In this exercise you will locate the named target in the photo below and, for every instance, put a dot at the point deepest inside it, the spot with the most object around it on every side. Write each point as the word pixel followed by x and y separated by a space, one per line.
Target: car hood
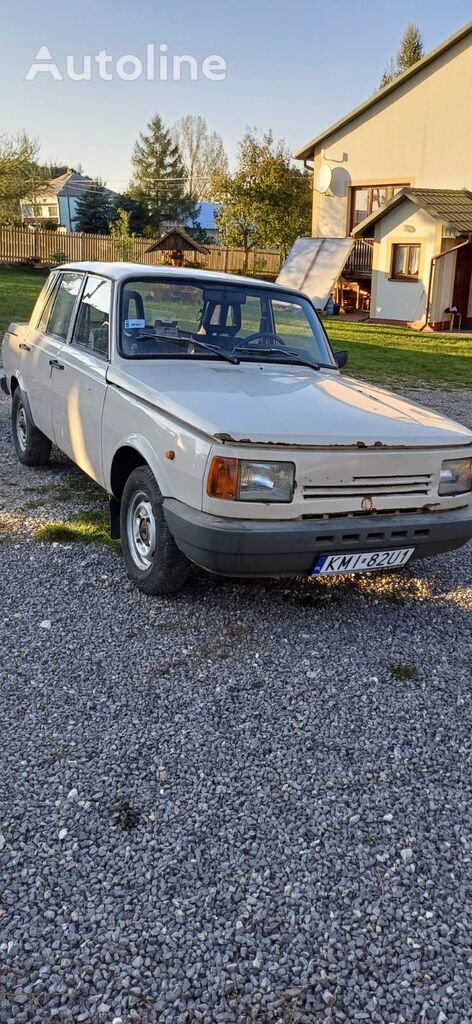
pixel 285 405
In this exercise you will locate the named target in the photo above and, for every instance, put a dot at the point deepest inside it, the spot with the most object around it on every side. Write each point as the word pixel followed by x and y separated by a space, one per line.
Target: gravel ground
pixel 250 802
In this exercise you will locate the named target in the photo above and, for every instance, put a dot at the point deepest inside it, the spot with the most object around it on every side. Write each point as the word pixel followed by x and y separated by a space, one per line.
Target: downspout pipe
pixel 432 268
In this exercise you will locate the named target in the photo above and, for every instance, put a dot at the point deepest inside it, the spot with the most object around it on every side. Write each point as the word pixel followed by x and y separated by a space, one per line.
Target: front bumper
pixel 3 383
pixel 255 547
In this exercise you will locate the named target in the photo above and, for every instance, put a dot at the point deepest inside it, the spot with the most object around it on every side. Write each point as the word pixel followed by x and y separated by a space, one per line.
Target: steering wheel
pixel 261 336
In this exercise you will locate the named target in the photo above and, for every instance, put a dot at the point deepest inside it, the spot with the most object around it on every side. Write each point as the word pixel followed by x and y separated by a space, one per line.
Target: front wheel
pixel 153 560
pixel 33 448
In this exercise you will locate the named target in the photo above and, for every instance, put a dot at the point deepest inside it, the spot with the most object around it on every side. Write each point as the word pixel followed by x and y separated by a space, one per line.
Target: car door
pixel 45 341
pixel 78 389
pixel 17 344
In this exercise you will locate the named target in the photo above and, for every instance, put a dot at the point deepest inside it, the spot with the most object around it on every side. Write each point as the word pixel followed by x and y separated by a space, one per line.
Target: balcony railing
pixel 360 260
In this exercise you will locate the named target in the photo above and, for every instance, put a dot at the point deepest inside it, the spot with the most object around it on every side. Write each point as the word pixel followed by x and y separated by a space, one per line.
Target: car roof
pixel 121 271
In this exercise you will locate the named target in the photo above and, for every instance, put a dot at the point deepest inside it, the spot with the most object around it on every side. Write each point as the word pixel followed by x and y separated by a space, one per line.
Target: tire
pixel 33 448
pixel 152 558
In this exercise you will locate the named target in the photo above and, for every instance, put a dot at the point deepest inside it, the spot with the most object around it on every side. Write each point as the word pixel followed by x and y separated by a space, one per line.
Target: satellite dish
pixel 323 178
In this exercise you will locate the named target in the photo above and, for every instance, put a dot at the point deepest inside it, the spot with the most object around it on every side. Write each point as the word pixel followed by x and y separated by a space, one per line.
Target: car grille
pixel 387 535
pixel 416 485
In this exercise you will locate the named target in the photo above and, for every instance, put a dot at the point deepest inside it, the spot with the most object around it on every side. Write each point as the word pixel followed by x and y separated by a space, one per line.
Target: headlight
pixel 238 480
pixel 455 476
pixel 266 481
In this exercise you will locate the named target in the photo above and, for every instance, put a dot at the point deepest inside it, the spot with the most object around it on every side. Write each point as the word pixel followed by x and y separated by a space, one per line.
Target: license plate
pixel 361 561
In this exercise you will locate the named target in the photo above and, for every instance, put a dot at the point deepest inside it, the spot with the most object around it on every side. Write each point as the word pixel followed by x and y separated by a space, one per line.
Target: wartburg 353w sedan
pixel 212 410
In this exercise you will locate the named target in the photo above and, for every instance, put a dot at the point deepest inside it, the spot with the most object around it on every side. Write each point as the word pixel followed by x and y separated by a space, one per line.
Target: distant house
pixel 414 134
pixel 206 214
pixel 58 201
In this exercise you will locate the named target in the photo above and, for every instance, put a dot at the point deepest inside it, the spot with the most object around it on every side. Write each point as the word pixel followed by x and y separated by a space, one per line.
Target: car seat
pixel 221 321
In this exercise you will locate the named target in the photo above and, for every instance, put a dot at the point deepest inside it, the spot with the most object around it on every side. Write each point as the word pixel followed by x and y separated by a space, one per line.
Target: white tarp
pixel 313 266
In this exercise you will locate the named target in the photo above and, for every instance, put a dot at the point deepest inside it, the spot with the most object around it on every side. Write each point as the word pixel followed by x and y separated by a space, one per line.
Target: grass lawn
pixel 392 355
pixel 91 527
pixel 19 289
pixel 397 354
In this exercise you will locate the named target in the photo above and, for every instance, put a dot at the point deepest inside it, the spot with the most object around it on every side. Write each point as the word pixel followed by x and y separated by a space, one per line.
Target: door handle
pixel 56 363
pixel 27 348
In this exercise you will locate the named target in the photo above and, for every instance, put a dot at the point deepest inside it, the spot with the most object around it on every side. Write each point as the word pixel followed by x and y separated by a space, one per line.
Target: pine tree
pixel 410 51
pixel 159 179
pixel 389 74
pixel 93 210
pixel 138 214
pixel 411 48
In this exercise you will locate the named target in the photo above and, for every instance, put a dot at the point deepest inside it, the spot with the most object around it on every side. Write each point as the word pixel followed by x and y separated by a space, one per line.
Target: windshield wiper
pixel 294 357
pixel 182 340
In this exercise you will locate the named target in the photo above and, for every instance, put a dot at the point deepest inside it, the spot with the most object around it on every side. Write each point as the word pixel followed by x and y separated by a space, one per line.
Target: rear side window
pixel 64 301
pixel 43 302
pixel 93 321
pixel 47 306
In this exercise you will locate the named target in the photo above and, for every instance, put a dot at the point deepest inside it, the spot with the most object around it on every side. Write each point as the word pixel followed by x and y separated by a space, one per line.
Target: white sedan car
pixel 212 410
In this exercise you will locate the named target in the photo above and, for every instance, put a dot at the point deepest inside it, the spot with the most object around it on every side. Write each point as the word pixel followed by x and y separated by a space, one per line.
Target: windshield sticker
pixel 131 325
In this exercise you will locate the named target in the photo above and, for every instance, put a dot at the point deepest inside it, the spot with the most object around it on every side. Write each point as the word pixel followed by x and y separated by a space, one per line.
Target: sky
pixel 293 66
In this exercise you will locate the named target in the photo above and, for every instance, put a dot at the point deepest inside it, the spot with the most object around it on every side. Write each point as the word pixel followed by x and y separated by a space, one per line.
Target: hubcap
pixel 141 530
pixel 21 427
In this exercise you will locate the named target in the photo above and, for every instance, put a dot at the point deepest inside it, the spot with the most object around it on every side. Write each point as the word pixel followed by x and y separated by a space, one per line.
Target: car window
pixel 42 301
pixel 49 296
pixel 291 324
pixel 181 319
pixel 93 321
pixel 64 301
pixel 252 316
pixel 157 302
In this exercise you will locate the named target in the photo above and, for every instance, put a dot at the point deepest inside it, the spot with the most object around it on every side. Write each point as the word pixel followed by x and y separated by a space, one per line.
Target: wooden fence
pixel 49 248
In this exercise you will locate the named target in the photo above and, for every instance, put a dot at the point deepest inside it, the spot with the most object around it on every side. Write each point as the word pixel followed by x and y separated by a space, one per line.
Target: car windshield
pixel 183 319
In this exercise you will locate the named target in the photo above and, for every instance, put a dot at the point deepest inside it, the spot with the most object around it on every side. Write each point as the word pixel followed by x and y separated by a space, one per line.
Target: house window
pixel 368 199
pixel 405 262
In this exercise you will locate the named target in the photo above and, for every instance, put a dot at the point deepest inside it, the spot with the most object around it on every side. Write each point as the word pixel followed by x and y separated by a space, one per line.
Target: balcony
pixel 359 264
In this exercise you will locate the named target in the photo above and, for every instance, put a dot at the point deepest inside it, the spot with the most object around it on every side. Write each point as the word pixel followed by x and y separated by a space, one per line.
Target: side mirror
pixel 341 359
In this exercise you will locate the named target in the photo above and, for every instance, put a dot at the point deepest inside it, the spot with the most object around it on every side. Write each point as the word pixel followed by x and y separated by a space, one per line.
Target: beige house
pixel 422 259
pixel 416 132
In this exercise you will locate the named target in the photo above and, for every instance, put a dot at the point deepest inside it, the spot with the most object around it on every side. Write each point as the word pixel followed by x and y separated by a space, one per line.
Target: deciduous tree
pixel 203 155
pixel 267 201
pixel 21 176
pixel 121 235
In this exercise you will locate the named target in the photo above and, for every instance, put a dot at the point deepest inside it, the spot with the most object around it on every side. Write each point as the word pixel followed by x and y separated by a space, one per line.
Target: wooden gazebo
pixel 177 241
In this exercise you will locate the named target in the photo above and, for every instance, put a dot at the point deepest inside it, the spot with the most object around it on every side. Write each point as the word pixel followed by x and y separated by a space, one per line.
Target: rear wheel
pixel 153 560
pixel 33 448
